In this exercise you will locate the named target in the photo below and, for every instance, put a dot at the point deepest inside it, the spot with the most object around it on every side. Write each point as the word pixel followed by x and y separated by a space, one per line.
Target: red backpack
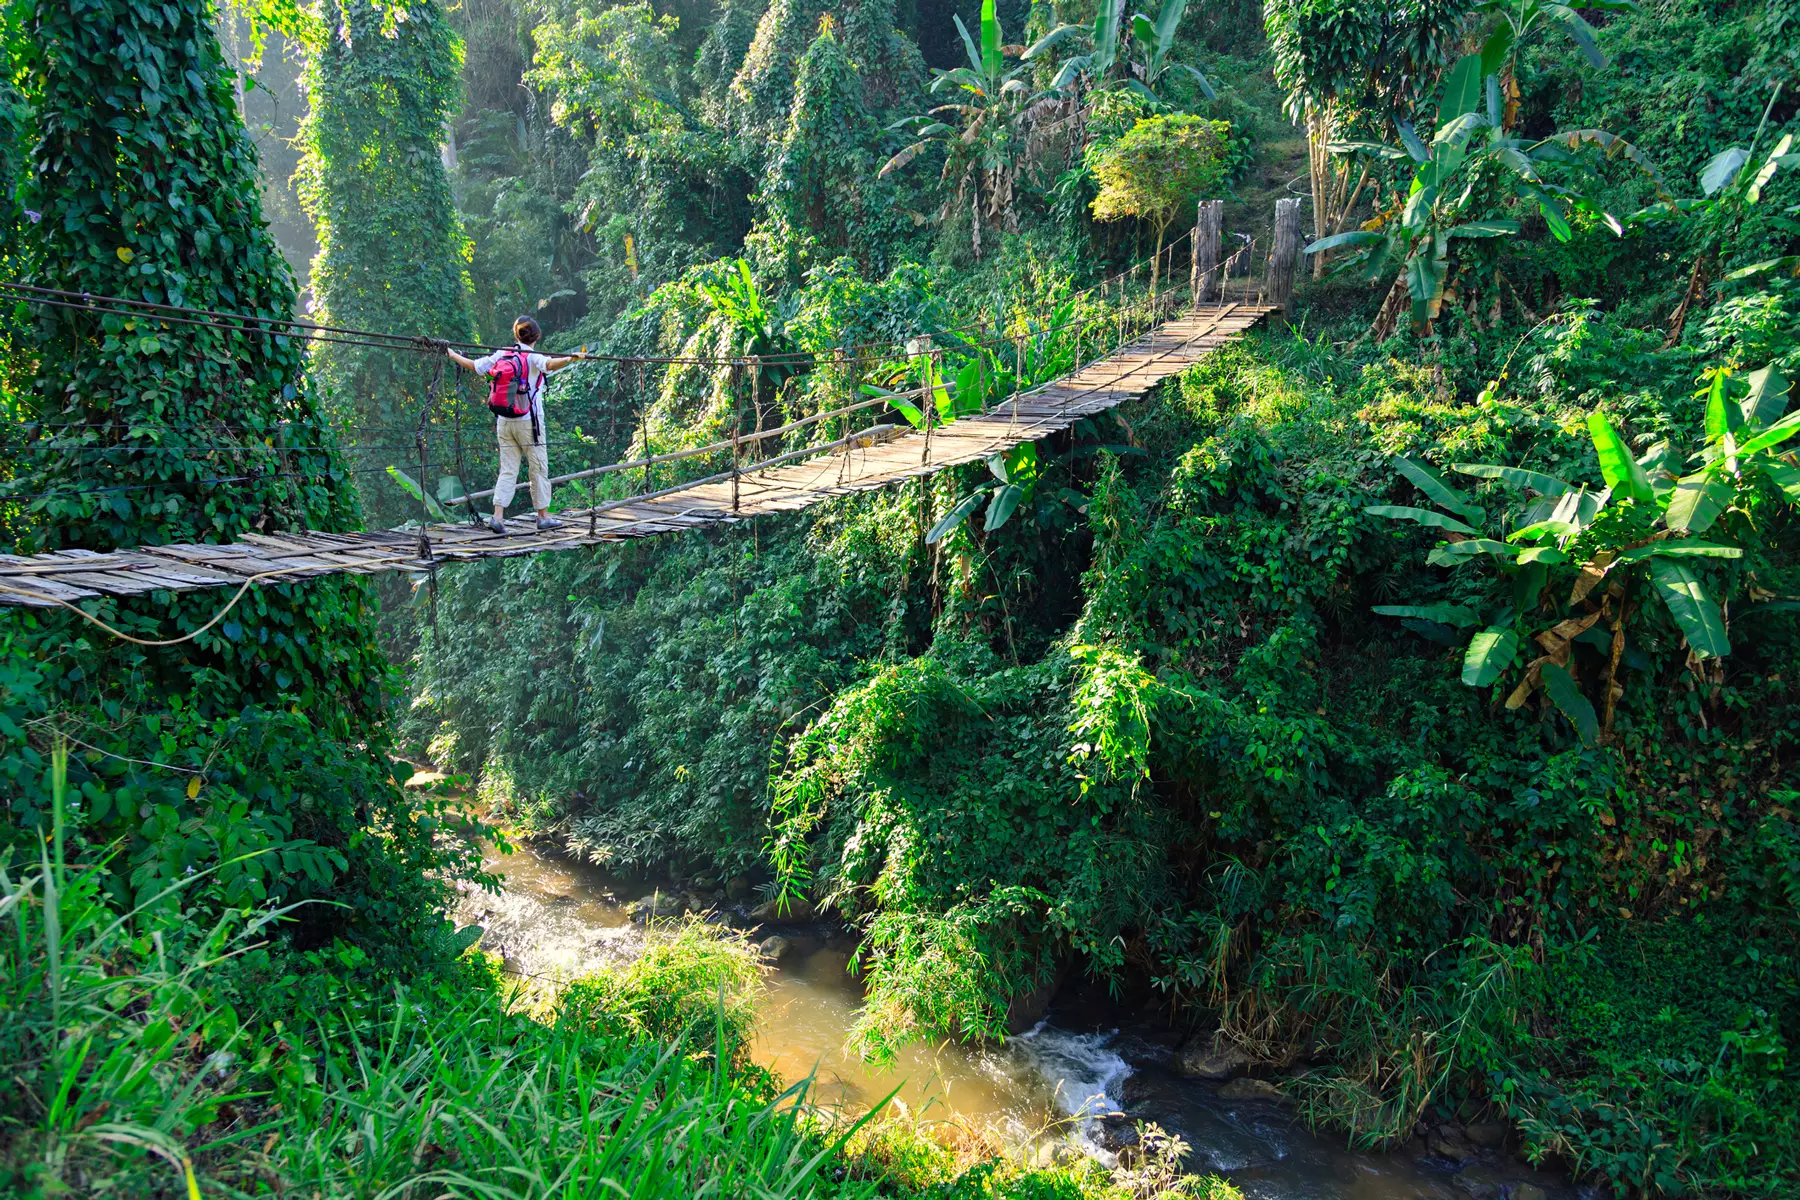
pixel 510 393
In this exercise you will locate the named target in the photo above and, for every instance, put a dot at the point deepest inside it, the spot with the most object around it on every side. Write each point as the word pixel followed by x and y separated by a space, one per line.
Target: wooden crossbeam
pixel 69 576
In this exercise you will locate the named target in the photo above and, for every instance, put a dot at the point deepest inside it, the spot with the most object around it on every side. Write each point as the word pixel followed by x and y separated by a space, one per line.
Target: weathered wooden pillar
pixel 1284 258
pixel 1208 229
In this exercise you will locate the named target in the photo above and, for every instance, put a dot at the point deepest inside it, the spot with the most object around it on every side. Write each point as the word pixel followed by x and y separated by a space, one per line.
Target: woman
pixel 522 436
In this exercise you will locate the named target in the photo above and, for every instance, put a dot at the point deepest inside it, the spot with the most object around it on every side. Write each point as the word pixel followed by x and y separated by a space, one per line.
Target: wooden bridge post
pixel 1208 230
pixel 1284 257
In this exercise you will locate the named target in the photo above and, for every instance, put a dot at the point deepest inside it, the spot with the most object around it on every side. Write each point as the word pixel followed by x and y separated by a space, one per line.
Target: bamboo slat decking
pixel 71 575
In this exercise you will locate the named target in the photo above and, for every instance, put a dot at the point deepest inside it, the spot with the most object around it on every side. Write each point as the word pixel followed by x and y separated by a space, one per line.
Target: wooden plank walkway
pixel 70 575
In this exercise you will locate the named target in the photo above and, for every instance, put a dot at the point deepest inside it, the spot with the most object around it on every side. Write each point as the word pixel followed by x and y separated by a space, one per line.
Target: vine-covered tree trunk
pixel 391 249
pixel 150 431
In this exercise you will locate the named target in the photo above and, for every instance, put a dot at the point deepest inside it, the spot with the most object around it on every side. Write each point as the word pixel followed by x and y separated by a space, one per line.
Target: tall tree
pixel 150 431
pixel 382 83
pixel 763 90
pixel 820 182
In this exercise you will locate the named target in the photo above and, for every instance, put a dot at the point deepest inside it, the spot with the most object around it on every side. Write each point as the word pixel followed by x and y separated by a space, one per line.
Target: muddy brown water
pixel 1054 1090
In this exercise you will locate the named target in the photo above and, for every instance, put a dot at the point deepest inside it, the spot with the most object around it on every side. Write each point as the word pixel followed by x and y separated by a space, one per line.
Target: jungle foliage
pixel 1189 709
pixel 1410 703
pixel 265 734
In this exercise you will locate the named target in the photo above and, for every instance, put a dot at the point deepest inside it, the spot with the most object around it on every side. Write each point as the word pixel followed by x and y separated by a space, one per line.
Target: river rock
pixel 796 908
pixel 1490 1135
pixel 1446 1142
pixel 1251 1089
pixel 774 949
pixel 1527 1191
pixel 737 887
pixel 657 904
pixel 1200 1059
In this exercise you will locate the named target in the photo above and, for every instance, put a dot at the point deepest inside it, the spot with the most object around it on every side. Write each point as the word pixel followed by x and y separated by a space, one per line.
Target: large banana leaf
pixel 1423 516
pixel 1697 502
pixel 1441 493
pixel 1462 89
pixel 1000 509
pixel 1442 614
pixel 991 40
pixel 1693 610
pixel 1537 481
pixel 1622 472
pixel 955 516
pixel 1767 399
pixel 1561 688
pixel 1490 652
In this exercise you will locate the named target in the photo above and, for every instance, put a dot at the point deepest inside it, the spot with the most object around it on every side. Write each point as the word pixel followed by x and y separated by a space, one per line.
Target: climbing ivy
pixel 392 255
pixel 821 182
pixel 149 431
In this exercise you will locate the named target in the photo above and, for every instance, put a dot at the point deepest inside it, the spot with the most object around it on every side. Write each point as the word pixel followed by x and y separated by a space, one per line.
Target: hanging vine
pixel 392 254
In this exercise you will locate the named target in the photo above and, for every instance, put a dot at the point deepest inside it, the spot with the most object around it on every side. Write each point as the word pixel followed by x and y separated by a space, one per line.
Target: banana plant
pixel 752 326
pixel 1449 199
pixel 1643 526
pixel 1016 474
pixel 1109 45
pixel 981 147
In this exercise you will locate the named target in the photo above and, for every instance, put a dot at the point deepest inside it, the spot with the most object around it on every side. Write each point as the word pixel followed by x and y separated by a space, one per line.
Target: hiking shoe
pixel 497 525
pixel 547 523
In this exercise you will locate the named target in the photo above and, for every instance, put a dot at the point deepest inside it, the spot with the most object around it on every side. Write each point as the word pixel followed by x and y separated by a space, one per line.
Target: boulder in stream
pixel 774 949
pixel 797 908
pixel 1246 1088
pixel 1205 1058
pixel 658 905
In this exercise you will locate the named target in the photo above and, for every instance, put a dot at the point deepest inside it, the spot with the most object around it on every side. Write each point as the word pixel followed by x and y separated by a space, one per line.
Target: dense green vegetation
pixel 1405 692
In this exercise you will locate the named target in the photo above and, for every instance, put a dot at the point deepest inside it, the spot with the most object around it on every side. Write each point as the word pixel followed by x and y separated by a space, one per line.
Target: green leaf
pixel 1721 417
pixel 1622 472
pixel 1722 168
pixel 1768 397
pixel 1462 89
pixel 1494 51
pixel 1457 553
pixel 412 488
pixel 1697 502
pixel 991 40
pixel 1693 610
pixel 1411 141
pixel 1767 171
pixel 1355 237
pixel 1441 493
pixel 1490 652
pixel 1423 516
pixel 1580 31
pixel 1537 481
pixel 1785 477
pixel 955 517
pixel 1678 550
pixel 1548 555
pixel 1484 229
pixel 1559 225
pixel 1442 614
pixel 1774 435
pixel 1006 499
pixel 1560 686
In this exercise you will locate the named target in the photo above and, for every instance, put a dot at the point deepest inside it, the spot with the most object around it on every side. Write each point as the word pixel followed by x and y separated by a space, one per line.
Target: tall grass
pixel 127 1076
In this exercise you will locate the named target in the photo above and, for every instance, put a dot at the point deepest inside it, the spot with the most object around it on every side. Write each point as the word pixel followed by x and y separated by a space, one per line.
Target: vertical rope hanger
pixel 737 427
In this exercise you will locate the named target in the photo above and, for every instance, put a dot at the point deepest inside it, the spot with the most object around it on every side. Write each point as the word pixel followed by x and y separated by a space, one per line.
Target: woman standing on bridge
pixel 517 400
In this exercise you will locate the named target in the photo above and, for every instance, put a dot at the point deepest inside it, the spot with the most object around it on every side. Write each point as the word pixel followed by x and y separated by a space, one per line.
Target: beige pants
pixel 514 434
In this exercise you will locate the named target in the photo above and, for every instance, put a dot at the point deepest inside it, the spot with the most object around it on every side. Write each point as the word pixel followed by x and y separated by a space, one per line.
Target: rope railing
pixel 1136 307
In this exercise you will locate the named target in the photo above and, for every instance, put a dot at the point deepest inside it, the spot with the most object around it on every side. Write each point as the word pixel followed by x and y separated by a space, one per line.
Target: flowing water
pixel 1064 1082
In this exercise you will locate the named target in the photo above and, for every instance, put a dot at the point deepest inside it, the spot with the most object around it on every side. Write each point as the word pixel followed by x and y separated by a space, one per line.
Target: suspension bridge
pixel 875 456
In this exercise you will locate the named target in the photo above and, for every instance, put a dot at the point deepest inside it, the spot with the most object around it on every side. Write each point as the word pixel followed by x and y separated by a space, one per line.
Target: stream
pixel 1057 1088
